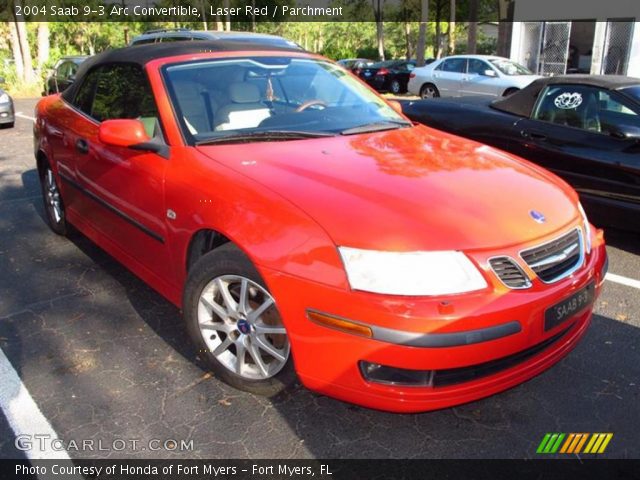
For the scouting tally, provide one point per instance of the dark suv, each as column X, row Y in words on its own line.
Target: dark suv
column 179, row 34
column 63, row 74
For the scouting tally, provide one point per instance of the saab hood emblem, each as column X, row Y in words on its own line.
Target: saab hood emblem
column 537, row 216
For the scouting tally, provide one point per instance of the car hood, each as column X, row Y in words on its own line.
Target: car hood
column 522, row 80
column 407, row 189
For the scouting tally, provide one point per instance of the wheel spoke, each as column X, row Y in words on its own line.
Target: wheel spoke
column 270, row 349
column 255, row 314
column 213, row 307
column 216, row 326
column 255, row 354
column 243, row 305
column 263, row 329
column 223, row 346
column 229, row 302
column 240, row 351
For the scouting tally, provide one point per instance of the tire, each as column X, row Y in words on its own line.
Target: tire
column 395, row 87
column 429, row 90
column 510, row 91
column 52, row 199
column 218, row 336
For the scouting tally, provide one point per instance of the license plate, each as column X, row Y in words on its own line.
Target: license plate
column 569, row 307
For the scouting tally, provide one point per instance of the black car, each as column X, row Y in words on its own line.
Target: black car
column 63, row 74
column 389, row 76
column 584, row 128
column 7, row 113
column 355, row 64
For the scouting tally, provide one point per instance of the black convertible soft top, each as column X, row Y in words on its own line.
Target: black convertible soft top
column 143, row 54
column 521, row 103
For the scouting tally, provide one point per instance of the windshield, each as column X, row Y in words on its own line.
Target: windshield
column 216, row 98
column 508, row 67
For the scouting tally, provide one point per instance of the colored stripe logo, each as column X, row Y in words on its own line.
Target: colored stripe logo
column 574, row 443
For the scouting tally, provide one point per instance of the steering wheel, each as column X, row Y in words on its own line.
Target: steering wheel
column 310, row 103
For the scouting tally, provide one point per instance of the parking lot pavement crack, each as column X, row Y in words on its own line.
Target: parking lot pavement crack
column 474, row 421
column 32, row 307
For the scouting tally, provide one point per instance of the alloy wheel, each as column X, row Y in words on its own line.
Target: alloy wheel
column 242, row 328
column 429, row 92
column 53, row 202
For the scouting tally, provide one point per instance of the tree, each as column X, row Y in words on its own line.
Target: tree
column 452, row 27
column 15, row 50
column 378, row 7
column 43, row 44
column 422, row 32
column 25, row 51
column 227, row 21
column 472, row 39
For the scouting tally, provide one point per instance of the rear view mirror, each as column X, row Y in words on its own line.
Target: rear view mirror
column 489, row 73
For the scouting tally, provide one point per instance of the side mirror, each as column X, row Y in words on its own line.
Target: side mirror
column 122, row 133
column 131, row 134
column 489, row 73
column 626, row 132
column 395, row 105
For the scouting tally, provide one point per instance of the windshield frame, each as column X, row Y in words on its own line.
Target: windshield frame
column 191, row 140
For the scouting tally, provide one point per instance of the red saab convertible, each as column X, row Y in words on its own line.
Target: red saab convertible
column 308, row 230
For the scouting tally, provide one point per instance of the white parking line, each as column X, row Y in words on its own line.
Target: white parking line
column 25, row 417
column 26, row 117
column 629, row 282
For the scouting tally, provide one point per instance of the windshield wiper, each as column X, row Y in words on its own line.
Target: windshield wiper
column 270, row 135
column 376, row 127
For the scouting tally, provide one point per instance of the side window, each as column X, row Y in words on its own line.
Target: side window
column 122, row 91
column 477, row 67
column 454, row 65
column 615, row 114
column 584, row 107
column 84, row 96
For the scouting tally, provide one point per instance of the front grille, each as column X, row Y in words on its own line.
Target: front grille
column 509, row 272
column 556, row 259
column 454, row 376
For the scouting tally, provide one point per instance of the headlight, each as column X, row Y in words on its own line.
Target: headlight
column 587, row 229
column 4, row 98
column 411, row 273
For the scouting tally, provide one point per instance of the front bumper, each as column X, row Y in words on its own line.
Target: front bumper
column 328, row 361
column 7, row 114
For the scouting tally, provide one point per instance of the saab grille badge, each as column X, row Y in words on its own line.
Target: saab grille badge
column 537, row 216
column 171, row 215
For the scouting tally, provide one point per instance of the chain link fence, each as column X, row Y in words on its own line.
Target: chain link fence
column 616, row 48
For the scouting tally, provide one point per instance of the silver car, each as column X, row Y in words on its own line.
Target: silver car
column 465, row 75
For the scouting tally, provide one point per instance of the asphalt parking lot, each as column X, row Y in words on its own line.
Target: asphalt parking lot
column 105, row 358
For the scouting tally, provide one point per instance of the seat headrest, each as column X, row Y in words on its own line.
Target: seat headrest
column 187, row 90
column 244, row 92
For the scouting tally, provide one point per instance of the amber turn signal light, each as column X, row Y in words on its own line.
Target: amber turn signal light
column 341, row 324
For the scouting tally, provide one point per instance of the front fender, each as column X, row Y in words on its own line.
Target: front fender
column 274, row 233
